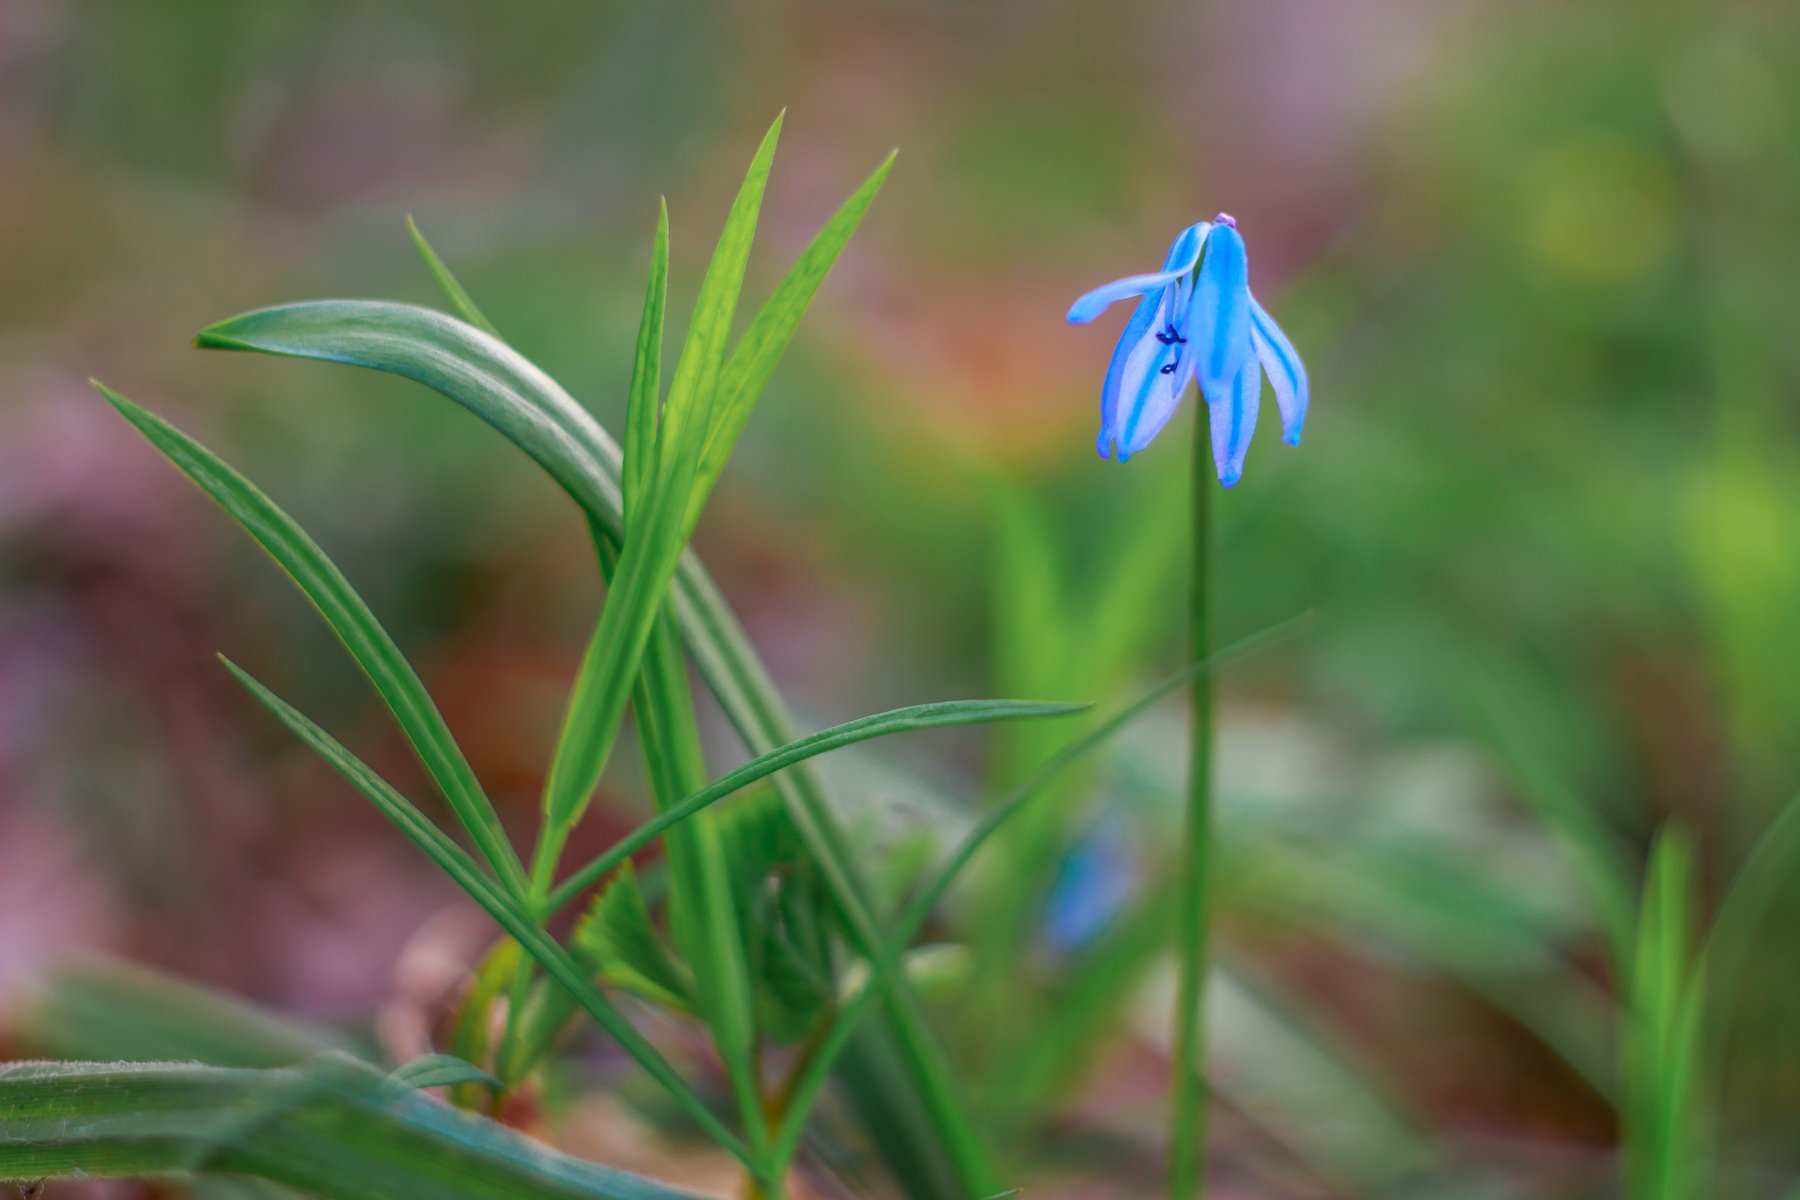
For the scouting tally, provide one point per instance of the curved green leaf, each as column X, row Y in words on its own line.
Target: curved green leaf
column 333, row 1129
column 441, row 1070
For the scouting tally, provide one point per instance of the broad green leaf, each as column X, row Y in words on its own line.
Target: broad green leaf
column 350, row 619
column 329, row 1130
column 459, row 299
column 450, row 858
column 441, row 1070
column 107, row 1009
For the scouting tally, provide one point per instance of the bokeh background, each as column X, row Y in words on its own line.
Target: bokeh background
column 1539, row 257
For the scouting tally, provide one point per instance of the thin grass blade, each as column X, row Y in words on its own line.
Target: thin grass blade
column 350, row 619
column 899, row 720
column 754, row 358
column 555, row 960
column 453, row 289
column 641, row 416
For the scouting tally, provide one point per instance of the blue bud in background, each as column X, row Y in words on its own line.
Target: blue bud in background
column 1098, row 876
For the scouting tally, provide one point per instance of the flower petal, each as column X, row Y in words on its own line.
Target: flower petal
column 1233, row 420
column 1151, row 380
column 1183, row 254
column 1136, row 330
column 1219, row 313
column 1287, row 374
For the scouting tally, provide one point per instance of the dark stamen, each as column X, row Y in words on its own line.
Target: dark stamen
column 1170, row 336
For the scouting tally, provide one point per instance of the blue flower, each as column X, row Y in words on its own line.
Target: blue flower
column 1197, row 321
column 1098, row 876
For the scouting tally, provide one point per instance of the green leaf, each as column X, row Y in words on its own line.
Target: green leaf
column 693, row 392
column 641, row 415
column 899, row 720
column 333, row 1130
column 350, row 619
column 754, row 358
column 470, row 1033
column 441, row 1070
column 459, row 299
column 656, row 534
column 702, row 914
column 115, row 1010
column 773, row 887
column 616, row 939
column 1660, row 1119
column 526, row 406
column 556, row 961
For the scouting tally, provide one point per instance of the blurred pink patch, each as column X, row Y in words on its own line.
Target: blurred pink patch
column 54, row 906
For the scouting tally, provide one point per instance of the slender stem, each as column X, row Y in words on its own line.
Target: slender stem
column 1187, row 1108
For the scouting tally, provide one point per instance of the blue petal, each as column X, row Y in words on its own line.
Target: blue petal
column 1287, row 374
column 1183, row 254
column 1219, row 313
column 1233, row 419
column 1136, row 330
column 1148, row 395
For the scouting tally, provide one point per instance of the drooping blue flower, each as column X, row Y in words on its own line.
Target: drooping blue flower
column 1196, row 321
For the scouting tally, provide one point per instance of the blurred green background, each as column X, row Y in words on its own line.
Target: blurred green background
column 1540, row 259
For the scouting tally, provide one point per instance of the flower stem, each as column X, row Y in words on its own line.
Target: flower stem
column 1187, row 1108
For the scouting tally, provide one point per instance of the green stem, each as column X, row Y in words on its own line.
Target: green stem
column 1187, row 1111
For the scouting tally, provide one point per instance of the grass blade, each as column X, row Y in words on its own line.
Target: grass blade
column 655, row 539
column 754, row 358
column 453, row 289
column 899, row 720
column 350, row 619
column 450, row 858
column 694, row 390
column 641, row 416
column 442, row 1070
column 1658, row 1120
